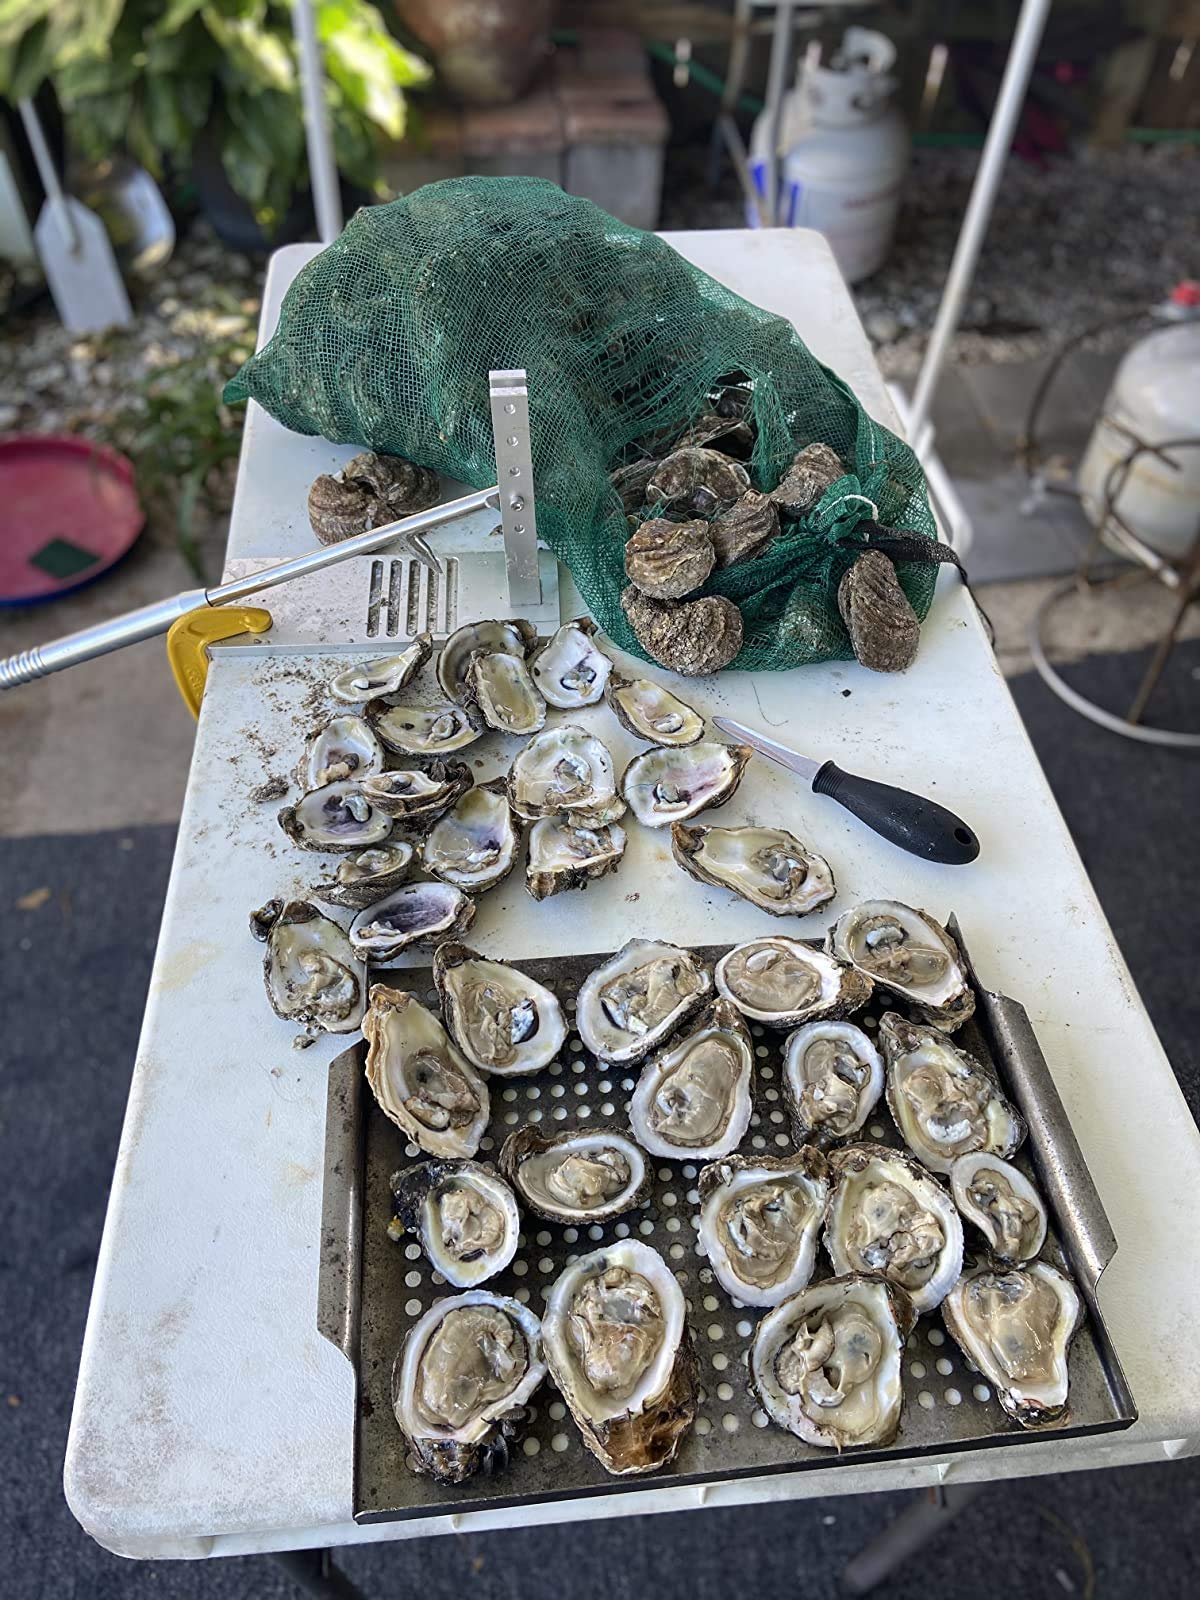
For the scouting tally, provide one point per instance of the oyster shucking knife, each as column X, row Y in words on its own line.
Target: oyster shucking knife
column 909, row 820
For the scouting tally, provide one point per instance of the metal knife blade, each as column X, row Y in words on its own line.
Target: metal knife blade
column 792, row 759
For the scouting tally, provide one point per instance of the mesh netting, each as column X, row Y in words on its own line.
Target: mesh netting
column 386, row 339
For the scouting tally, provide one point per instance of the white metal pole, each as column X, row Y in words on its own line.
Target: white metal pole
column 322, row 167
column 1017, row 72
column 781, row 50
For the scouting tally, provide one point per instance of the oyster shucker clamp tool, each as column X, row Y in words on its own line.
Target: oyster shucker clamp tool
column 908, row 820
column 394, row 596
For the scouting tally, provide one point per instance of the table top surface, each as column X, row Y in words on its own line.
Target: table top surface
column 210, row 1415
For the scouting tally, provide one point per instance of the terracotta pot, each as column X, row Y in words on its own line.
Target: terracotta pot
column 485, row 51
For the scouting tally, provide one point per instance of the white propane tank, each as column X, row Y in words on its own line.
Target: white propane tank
column 1155, row 397
column 844, row 173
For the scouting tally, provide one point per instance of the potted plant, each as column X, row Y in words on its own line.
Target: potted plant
column 211, row 88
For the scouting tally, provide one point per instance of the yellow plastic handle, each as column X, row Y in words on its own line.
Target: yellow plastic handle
column 190, row 636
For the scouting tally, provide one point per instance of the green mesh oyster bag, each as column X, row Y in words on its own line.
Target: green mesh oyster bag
column 386, row 339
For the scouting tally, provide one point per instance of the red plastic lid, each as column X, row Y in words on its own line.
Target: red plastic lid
column 68, row 510
column 1186, row 292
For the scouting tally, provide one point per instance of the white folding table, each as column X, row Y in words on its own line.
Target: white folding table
column 211, row 1417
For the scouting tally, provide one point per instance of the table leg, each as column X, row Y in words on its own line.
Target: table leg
column 313, row 1571
column 912, row 1530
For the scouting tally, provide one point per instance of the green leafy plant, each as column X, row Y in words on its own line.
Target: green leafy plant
column 148, row 77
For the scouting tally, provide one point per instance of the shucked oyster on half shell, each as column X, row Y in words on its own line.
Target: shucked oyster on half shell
column 418, row 795
column 422, row 730
column 782, row 982
column 419, row 1077
column 694, row 1098
column 462, row 1383
column 618, row 1347
column 576, row 1174
column 414, row 914
column 499, row 684
column 362, row 879
column 832, row 1080
column 888, row 1215
column 336, row 817
column 565, row 769
column 635, row 999
column 767, row 866
column 564, row 854
column 464, row 1214
column 504, row 1022
column 571, row 670
column 1002, row 1203
column 825, row 1364
column 944, row 1102
column 475, row 844
column 651, row 712
column 516, row 637
column 906, row 951
column 760, row 1218
column 1016, row 1324
column 344, row 748
column 312, row 975
column 669, row 785
column 364, row 680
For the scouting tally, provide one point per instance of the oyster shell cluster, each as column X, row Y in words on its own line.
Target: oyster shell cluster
column 693, row 510
column 369, row 491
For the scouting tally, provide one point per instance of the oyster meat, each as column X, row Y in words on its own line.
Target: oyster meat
column 564, row 854
column 475, row 843
column 1016, row 1324
column 336, row 817
column 417, row 795
column 503, row 1022
column 692, row 637
column 576, row 1175
column 782, row 982
column 420, row 1079
column 500, row 686
column 343, row 748
column 651, row 712
column 462, row 1383
column 759, row 1221
column 362, row 879
column 565, row 769
column 464, row 1214
column 416, row 913
column 515, row 638
column 635, row 999
column 888, row 1215
column 571, row 670
column 364, row 680
column 944, row 1102
column 832, row 1080
column 668, row 560
column 617, row 1344
column 311, row 973
column 422, row 730
column 1002, row 1203
column 906, row 951
column 826, row 1363
column 667, row 785
column 694, row 1098
column 767, row 866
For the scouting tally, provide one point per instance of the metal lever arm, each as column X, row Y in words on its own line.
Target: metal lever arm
column 133, row 626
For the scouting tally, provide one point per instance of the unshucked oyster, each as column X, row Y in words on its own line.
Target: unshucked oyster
column 693, row 637
column 760, row 1218
column 767, row 866
column 419, row 1077
column 311, row 973
column 1016, row 1325
column 617, row 1343
column 464, row 1214
column 577, row 1174
column 668, row 560
column 635, row 999
column 694, row 1098
column 697, row 482
column 462, row 1383
column 665, row 785
column 503, row 1021
column 826, row 1363
column 782, row 982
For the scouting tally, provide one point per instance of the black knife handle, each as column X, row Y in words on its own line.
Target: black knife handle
column 911, row 821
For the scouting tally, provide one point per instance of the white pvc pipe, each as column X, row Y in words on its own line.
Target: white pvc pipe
column 322, row 167
column 1021, row 58
column 781, row 50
